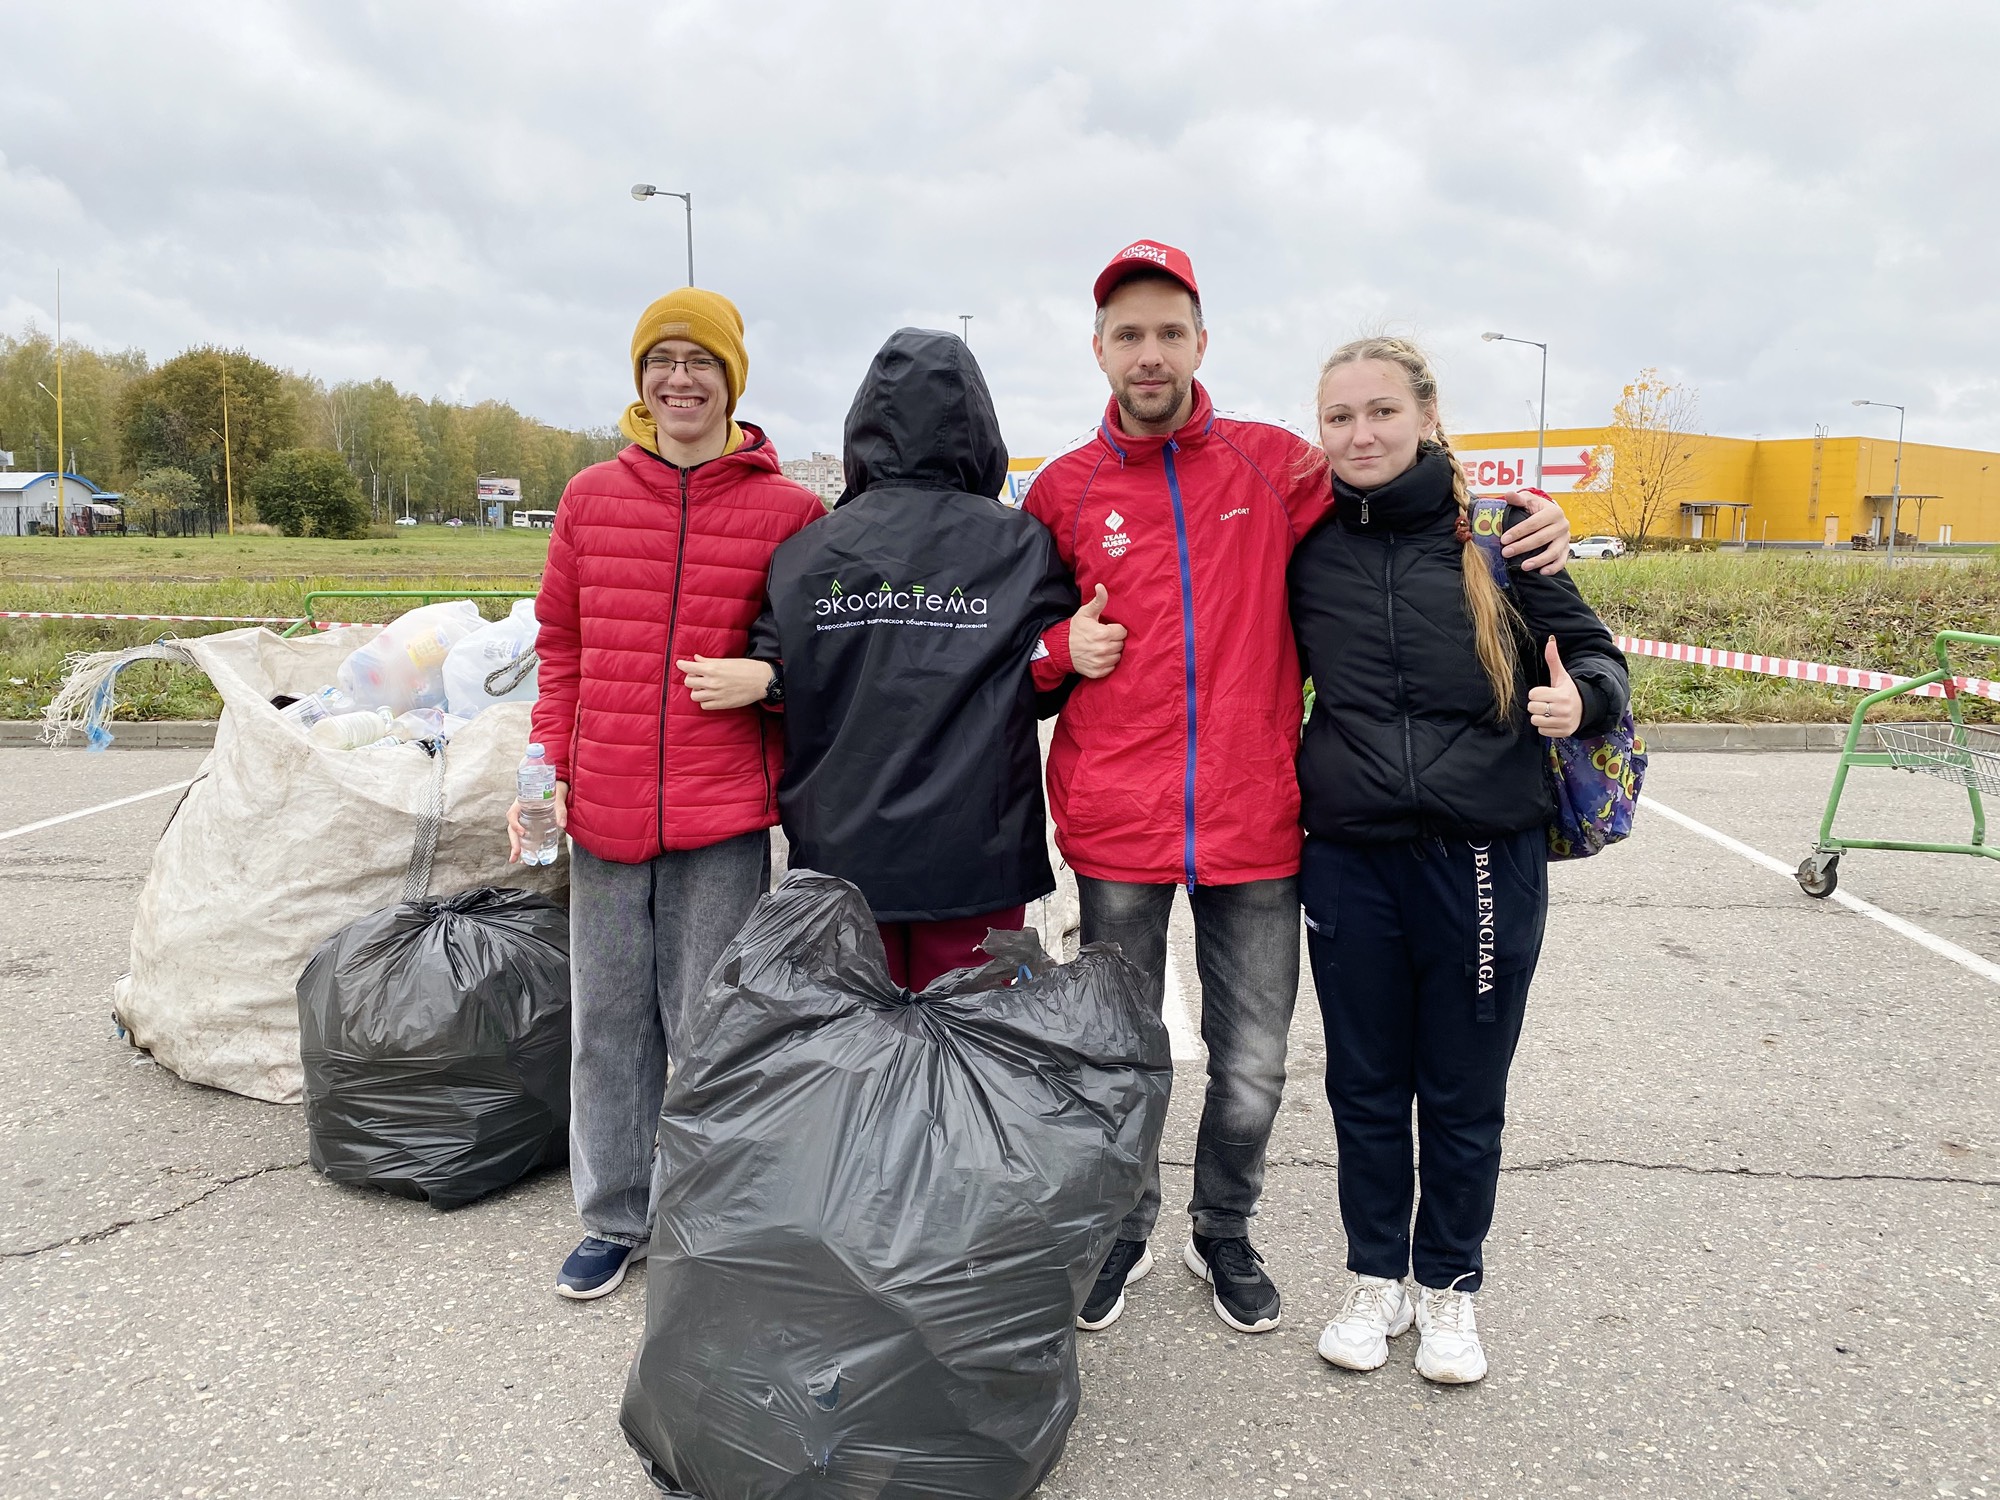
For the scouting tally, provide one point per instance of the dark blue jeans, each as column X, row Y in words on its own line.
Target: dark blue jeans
column 1246, row 946
column 1422, row 953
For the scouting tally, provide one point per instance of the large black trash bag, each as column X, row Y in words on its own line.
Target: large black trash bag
column 435, row 1039
column 882, row 1212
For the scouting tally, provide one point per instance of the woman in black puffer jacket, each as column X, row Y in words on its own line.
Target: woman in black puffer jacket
column 1425, row 871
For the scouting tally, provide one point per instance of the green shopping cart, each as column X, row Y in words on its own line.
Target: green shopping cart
column 1966, row 755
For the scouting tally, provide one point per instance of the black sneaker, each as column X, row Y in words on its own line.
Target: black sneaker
column 1129, row 1261
column 1245, row 1298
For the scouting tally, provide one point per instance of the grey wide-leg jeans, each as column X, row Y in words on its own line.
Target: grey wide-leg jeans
column 642, row 939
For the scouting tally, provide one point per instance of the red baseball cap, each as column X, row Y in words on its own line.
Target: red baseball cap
column 1147, row 255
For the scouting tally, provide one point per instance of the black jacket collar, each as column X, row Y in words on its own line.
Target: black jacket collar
column 1420, row 499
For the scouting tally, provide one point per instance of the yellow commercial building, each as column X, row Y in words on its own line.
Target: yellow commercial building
column 1812, row 491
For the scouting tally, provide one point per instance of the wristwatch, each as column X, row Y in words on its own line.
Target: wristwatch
column 775, row 693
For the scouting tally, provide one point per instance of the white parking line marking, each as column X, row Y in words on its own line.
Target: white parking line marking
column 158, row 791
column 1964, row 958
column 1180, row 1031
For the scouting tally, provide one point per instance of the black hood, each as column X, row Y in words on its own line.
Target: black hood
column 924, row 419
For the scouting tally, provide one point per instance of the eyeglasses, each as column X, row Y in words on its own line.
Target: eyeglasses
column 694, row 364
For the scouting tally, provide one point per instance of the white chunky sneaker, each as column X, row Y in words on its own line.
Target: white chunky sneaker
column 1376, row 1310
column 1450, row 1352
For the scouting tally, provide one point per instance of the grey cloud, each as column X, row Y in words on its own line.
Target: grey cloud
column 1786, row 204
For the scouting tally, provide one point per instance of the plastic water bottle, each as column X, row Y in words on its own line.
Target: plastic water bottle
column 536, row 787
column 352, row 731
column 308, row 711
column 425, row 724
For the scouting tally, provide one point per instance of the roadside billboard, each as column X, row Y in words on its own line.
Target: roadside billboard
column 1494, row 471
column 1020, row 474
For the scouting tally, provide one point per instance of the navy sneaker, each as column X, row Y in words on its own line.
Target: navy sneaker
column 1129, row 1261
column 595, row 1268
column 1245, row 1298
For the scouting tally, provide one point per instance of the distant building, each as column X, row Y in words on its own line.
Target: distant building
column 822, row 474
column 1812, row 491
column 28, row 504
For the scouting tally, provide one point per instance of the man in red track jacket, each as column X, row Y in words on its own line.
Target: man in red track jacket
column 657, row 563
column 1173, row 761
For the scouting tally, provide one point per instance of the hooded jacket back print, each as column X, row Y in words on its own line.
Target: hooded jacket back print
column 1177, row 768
column 905, row 622
column 651, row 563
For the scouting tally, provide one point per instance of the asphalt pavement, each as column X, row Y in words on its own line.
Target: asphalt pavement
column 1746, row 1241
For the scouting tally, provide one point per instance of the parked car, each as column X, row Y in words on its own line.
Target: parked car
column 412, row 520
column 455, row 521
column 1596, row 546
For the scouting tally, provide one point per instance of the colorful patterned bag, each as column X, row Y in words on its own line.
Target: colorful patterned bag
column 1595, row 782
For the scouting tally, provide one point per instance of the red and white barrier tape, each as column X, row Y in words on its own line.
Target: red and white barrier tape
column 1701, row 656
column 37, row 614
column 1803, row 671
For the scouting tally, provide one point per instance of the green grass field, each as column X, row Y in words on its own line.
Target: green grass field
column 1850, row 611
column 422, row 551
column 255, row 576
column 1833, row 608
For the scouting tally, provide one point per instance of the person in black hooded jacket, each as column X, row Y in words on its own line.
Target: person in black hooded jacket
column 898, row 634
column 1425, row 875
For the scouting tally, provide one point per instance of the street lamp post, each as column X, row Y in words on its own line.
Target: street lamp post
column 1542, row 415
column 53, row 396
column 61, row 517
column 641, row 191
column 1896, row 484
column 228, row 467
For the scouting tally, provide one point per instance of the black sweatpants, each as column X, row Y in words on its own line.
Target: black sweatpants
column 1422, row 953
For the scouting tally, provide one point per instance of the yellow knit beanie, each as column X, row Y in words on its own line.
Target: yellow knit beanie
column 705, row 318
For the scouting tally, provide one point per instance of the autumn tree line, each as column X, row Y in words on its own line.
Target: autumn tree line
column 155, row 432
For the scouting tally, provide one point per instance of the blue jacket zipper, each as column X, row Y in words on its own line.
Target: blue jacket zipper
column 1187, row 645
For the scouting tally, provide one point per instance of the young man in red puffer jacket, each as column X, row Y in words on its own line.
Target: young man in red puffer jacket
column 657, row 564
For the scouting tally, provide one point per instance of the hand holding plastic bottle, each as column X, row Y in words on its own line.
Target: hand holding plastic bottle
column 530, row 837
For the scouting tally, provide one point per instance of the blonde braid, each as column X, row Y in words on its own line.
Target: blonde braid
column 1492, row 612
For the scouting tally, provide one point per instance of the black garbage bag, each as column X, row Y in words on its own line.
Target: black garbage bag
column 882, row 1211
column 435, row 1039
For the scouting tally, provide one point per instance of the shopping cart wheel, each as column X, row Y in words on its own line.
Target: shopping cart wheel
column 1818, row 874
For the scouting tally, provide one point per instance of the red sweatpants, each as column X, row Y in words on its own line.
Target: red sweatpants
column 920, row 951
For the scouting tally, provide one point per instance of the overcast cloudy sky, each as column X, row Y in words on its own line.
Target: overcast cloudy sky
column 1786, row 204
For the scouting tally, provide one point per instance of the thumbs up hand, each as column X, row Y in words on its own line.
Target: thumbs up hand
column 1095, row 645
column 1555, row 710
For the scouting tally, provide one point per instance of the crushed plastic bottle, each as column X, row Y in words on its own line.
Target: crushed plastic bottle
column 324, row 704
column 364, row 726
column 428, row 724
column 541, row 839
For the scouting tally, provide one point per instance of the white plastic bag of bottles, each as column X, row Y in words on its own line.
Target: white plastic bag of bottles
column 403, row 667
column 281, row 842
column 485, row 668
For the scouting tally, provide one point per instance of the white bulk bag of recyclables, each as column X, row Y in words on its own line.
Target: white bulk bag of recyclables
column 279, row 844
column 495, row 664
